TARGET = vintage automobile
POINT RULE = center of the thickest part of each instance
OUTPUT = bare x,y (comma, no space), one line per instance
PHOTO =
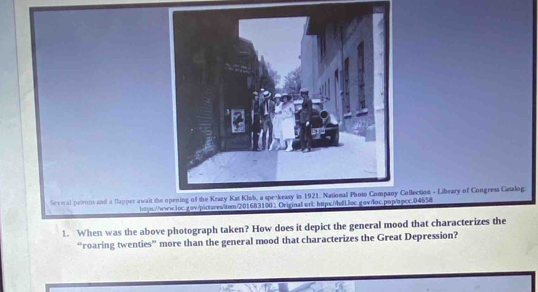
325,126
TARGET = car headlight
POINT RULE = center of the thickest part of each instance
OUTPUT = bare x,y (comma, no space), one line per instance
324,115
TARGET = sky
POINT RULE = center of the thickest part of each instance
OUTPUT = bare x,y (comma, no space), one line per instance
280,42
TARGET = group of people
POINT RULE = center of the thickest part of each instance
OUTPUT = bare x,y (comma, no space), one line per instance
276,117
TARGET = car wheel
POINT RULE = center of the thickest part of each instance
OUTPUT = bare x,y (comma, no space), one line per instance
335,140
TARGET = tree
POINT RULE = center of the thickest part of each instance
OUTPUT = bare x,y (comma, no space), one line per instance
273,74
263,287
292,81
342,286
266,81
227,288
254,287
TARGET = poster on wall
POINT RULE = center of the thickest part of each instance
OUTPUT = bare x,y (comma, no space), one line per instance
238,120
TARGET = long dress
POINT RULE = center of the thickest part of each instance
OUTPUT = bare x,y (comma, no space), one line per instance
287,121
277,132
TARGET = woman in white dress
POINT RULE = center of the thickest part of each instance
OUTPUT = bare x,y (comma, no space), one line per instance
287,121
277,131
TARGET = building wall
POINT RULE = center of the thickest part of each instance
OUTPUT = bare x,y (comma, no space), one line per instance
325,69
202,51
205,142
360,29
333,45
198,132
332,101
309,62
355,31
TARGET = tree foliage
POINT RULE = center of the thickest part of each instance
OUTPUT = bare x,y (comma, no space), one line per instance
292,81
273,74
255,287
267,81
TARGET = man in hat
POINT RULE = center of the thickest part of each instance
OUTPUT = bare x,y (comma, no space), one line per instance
305,117
256,122
267,112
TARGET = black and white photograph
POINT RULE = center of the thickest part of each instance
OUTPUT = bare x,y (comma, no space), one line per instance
305,88
294,101
520,282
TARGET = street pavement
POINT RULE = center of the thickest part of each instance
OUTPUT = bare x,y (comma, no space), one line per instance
352,158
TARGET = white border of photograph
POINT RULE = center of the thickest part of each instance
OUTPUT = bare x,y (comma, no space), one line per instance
388,183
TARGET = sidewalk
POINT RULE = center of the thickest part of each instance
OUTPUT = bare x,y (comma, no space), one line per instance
353,158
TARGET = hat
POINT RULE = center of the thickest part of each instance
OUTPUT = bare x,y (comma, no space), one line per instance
304,90
266,94
278,95
262,90
255,93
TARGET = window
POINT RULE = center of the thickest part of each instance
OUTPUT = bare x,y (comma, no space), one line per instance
336,84
362,97
335,28
347,106
329,88
322,43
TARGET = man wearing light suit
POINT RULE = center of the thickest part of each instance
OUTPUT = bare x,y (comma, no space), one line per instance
267,112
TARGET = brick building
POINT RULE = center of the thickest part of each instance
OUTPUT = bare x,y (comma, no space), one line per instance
342,52
216,72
